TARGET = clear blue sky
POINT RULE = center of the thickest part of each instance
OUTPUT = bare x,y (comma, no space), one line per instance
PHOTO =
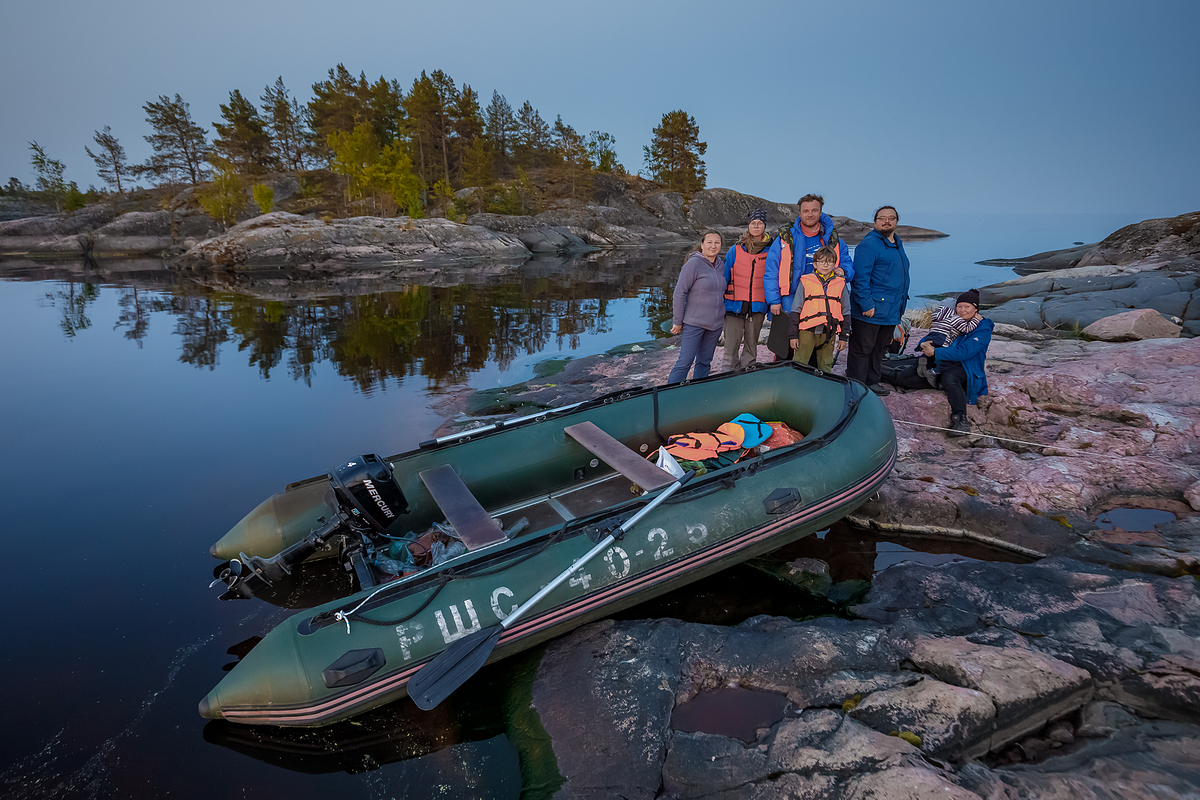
945,105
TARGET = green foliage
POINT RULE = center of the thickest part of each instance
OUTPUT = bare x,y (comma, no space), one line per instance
180,145
73,199
310,189
109,158
673,156
353,154
225,197
383,174
242,137
572,165
602,152
477,163
517,199
264,196
391,179
49,174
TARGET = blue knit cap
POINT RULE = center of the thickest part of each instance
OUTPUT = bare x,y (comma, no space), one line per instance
758,214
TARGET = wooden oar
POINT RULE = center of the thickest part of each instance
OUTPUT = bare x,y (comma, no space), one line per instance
435,681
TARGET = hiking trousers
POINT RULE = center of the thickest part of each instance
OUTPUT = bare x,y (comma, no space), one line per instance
742,329
698,345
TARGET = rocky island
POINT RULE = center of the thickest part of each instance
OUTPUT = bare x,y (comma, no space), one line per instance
1073,673
623,211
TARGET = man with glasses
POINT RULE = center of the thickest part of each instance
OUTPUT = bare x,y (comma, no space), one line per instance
878,297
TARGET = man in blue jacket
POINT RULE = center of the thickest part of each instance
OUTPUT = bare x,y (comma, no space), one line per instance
790,256
878,297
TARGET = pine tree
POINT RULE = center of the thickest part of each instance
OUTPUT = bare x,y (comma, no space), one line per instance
287,123
339,104
49,174
533,138
243,140
501,127
673,157
387,111
430,105
467,125
180,145
572,158
110,158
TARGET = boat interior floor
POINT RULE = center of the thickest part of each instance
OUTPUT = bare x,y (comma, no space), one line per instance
578,501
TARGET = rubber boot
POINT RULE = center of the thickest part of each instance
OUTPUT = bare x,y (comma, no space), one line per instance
959,425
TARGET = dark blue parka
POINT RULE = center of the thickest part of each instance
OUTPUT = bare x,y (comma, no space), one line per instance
880,280
971,352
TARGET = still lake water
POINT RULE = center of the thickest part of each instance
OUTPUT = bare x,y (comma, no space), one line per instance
142,414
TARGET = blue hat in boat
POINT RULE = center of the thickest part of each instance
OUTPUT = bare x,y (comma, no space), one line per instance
756,431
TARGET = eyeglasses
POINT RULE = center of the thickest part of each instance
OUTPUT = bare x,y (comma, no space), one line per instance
887,219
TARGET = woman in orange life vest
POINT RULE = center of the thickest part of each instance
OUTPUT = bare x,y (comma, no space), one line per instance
698,309
823,314
745,302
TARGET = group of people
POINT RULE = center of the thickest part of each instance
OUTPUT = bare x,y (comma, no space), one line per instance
832,302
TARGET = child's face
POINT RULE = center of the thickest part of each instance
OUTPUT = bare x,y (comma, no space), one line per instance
825,266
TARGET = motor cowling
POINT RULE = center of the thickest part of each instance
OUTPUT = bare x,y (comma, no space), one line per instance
368,498
367,490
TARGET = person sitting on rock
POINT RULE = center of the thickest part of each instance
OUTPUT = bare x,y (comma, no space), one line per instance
961,365
948,324
820,314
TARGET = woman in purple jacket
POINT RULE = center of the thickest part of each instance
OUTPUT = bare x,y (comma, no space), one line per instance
699,308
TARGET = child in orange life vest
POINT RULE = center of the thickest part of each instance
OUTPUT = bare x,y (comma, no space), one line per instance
823,317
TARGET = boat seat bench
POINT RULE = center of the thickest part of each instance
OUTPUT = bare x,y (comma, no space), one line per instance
619,457
469,519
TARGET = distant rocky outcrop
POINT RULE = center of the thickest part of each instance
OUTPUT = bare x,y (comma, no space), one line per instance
1164,239
284,239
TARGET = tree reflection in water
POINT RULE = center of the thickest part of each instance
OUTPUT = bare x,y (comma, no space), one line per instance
375,326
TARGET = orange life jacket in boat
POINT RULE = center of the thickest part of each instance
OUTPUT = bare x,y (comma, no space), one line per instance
704,445
746,277
822,301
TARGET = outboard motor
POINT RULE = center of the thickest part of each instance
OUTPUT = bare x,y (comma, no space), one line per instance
368,500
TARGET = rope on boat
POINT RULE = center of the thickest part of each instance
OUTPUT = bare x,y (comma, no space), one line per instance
1065,451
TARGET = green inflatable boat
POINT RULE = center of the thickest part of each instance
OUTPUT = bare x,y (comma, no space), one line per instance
552,521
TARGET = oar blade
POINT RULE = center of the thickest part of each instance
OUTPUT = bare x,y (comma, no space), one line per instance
435,681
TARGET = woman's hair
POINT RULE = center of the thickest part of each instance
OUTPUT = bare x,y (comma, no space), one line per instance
825,253
705,235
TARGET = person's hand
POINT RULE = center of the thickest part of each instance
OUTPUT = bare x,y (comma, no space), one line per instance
870,312
776,309
927,348
676,329
795,343
842,344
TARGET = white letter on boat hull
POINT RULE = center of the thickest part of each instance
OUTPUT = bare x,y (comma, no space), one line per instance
459,631
409,634
501,615
697,527
611,556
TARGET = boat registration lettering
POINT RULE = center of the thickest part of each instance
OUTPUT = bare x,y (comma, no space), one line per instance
500,614
663,551
459,629
409,634
613,555
584,579
697,528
